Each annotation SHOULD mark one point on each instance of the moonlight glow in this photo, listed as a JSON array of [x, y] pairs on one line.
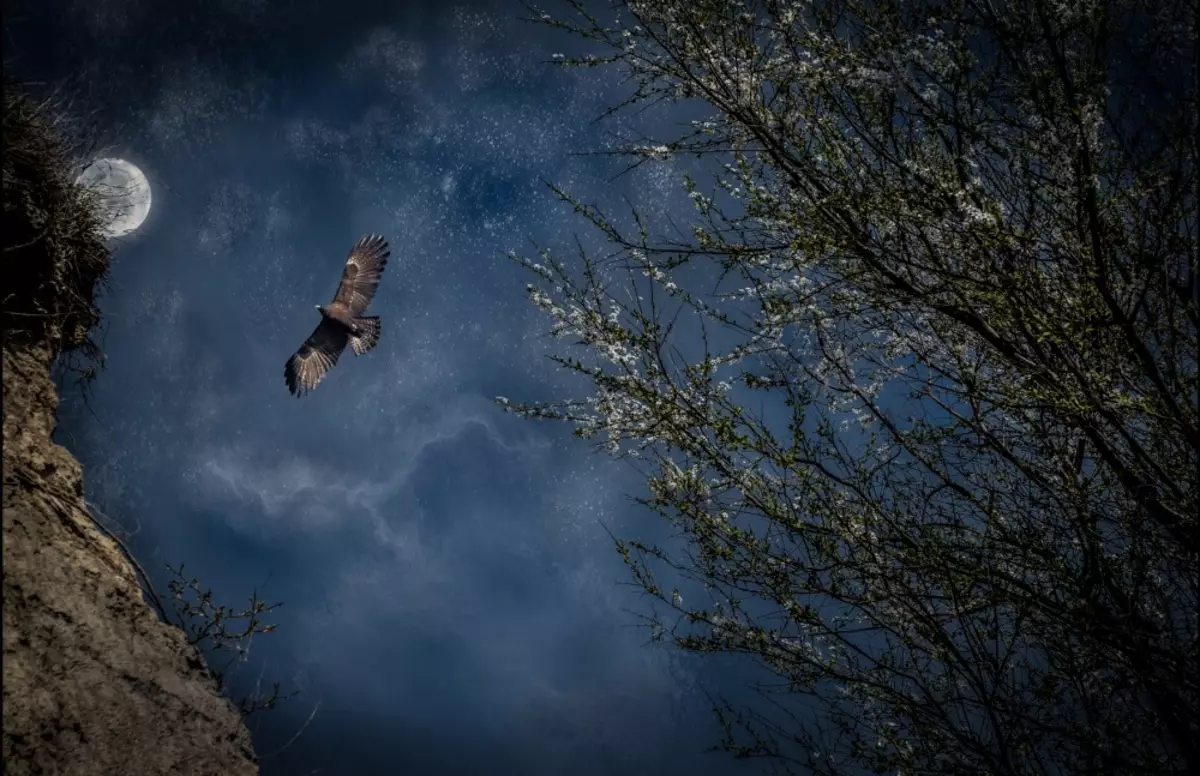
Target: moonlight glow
[[124, 194]]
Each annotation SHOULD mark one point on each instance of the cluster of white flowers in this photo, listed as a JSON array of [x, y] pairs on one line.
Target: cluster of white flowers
[[658, 152]]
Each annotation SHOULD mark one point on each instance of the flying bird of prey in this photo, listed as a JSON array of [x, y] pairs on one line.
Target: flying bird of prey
[[342, 320]]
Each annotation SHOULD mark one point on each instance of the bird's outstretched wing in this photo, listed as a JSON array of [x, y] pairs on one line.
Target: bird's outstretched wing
[[360, 278], [315, 357]]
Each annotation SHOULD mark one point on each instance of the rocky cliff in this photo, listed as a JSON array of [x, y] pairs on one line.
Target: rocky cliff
[[94, 682]]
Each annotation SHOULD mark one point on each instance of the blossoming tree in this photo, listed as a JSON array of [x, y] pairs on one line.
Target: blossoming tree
[[918, 388]]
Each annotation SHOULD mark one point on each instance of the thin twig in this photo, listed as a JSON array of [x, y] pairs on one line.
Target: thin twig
[[147, 586]]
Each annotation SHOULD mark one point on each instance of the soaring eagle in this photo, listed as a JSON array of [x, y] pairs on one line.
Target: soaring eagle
[[342, 321]]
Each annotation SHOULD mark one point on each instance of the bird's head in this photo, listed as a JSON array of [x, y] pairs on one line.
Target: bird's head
[[320, 307]]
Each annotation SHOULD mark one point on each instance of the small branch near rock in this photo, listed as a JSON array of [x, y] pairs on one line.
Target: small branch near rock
[[259, 702], [217, 627], [204, 621], [222, 628]]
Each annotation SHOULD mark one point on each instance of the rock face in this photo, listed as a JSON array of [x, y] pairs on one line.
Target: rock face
[[94, 683]]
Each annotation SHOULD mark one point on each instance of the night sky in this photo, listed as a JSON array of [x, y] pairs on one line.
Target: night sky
[[452, 603]]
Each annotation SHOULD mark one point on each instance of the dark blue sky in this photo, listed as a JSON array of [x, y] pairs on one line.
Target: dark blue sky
[[452, 602]]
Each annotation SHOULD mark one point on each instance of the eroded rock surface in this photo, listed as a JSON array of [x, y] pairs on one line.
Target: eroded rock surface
[[94, 683]]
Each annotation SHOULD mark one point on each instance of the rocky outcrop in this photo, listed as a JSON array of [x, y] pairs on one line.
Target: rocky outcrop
[[94, 682]]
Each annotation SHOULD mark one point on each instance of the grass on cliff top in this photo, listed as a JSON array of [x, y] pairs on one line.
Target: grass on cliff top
[[55, 259]]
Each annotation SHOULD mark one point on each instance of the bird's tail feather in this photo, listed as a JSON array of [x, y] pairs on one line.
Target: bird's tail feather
[[368, 334]]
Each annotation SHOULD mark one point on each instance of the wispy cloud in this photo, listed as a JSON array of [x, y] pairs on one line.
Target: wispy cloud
[[315, 490]]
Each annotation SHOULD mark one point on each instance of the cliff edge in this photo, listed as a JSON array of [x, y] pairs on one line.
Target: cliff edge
[[94, 682]]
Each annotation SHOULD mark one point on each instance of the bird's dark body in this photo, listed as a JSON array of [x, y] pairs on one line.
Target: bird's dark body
[[342, 320]]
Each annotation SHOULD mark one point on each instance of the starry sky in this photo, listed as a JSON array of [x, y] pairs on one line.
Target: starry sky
[[452, 602]]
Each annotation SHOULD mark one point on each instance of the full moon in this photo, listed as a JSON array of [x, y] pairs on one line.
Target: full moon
[[124, 194]]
